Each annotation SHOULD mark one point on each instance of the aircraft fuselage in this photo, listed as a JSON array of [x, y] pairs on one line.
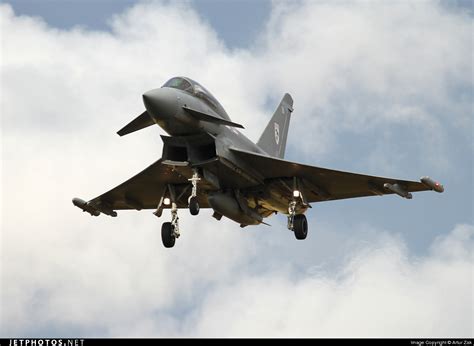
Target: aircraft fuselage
[[167, 107], [207, 162]]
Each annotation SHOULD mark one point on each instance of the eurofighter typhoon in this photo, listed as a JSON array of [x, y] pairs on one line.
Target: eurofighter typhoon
[[208, 163]]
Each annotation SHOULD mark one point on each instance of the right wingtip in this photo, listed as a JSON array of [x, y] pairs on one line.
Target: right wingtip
[[85, 206]]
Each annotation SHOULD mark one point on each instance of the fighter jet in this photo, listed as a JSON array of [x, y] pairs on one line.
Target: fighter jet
[[208, 163]]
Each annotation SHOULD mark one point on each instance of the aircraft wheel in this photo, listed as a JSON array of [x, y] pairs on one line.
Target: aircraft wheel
[[167, 235], [300, 226], [193, 206]]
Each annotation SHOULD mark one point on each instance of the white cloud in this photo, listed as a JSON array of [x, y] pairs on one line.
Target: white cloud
[[381, 291], [362, 67], [355, 69]]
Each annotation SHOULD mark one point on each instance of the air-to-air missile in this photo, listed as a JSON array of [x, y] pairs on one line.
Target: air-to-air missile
[[399, 190]]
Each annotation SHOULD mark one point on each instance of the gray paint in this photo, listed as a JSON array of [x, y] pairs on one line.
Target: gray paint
[[241, 180], [273, 138]]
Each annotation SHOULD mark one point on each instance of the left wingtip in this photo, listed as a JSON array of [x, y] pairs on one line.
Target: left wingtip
[[432, 184]]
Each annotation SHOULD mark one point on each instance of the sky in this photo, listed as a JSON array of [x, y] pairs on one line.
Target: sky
[[381, 88]]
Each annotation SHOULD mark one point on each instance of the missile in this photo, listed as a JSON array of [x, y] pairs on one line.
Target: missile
[[433, 185], [399, 190], [94, 210], [81, 204]]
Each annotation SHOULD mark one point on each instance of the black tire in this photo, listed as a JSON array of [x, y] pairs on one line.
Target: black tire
[[300, 226], [167, 236], [193, 206]]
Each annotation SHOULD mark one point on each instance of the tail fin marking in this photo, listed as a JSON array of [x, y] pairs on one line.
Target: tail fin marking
[[273, 138]]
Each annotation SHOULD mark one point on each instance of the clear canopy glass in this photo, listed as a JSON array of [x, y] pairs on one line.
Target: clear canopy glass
[[196, 89]]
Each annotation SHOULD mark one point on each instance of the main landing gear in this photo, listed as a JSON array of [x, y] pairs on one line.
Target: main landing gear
[[297, 222], [170, 230]]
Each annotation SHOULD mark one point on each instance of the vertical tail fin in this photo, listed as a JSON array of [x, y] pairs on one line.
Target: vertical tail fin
[[273, 138]]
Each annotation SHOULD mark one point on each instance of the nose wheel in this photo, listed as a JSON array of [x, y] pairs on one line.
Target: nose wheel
[[192, 201], [170, 230], [193, 206]]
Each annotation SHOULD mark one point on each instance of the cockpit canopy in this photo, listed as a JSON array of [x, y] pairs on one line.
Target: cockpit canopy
[[196, 89]]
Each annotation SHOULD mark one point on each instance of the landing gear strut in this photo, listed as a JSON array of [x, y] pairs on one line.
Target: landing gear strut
[[297, 223], [170, 230], [192, 201], [291, 214]]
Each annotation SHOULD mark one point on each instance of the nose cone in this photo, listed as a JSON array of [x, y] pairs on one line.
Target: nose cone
[[161, 103]]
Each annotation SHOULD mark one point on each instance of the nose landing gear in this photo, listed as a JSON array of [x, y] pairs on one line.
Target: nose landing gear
[[192, 201], [170, 230]]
